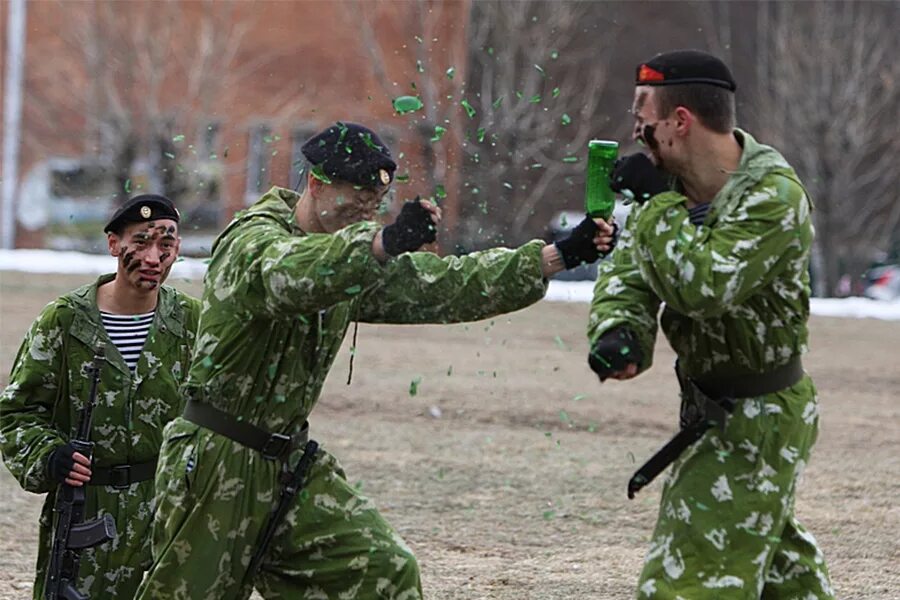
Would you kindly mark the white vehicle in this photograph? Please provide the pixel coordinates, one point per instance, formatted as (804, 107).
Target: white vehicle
(69, 198)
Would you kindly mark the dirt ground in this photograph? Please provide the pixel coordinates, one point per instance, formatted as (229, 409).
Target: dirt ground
(506, 470)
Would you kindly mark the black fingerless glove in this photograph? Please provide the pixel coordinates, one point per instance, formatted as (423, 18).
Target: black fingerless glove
(412, 229)
(578, 247)
(638, 174)
(614, 351)
(61, 462)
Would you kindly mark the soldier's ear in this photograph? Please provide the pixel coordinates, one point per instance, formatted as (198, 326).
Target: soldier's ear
(312, 182)
(684, 119)
(114, 243)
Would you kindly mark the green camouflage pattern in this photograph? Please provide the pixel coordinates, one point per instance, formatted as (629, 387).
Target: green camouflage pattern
(276, 305)
(726, 527)
(735, 292)
(39, 411)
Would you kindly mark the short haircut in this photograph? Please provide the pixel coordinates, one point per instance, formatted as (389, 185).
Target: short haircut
(713, 105)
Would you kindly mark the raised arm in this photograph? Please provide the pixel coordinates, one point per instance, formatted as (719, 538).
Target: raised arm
(421, 287)
(284, 275)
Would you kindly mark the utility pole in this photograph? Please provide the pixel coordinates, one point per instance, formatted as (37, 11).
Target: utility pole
(12, 119)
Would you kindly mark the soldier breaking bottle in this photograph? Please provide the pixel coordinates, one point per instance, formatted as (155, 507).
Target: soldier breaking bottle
(286, 278)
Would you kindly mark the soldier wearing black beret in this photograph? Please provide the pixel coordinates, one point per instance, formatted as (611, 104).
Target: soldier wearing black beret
(351, 153)
(287, 278)
(148, 331)
(720, 238)
(143, 234)
(141, 209)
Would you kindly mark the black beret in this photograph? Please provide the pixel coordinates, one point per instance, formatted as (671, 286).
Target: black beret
(685, 66)
(351, 153)
(140, 209)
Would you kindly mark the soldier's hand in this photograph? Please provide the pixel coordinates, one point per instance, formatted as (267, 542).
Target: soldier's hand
(436, 213)
(616, 354)
(637, 174)
(588, 241)
(69, 466)
(415, 226)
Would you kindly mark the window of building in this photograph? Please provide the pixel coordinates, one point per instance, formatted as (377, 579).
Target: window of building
(209, 140)
(299, 135)
(258, 176)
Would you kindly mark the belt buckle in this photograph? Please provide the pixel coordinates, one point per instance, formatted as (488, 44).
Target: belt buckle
(120, 476)
(276, 446)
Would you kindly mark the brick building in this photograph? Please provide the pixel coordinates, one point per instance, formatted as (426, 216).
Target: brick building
(219, 97)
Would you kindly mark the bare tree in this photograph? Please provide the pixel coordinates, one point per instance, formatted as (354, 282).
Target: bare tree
(154, 75)
(518, 98)
(538, 73)
(433, 60)
(833, 96)
(828, 96)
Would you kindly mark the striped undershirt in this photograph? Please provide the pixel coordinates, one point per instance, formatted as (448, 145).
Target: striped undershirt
(698, 214)
(128, 333)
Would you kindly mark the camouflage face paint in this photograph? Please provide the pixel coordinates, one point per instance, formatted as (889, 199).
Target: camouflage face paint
(129, 262)
(126, 258)
(168, 242)
(131, 265)
(648, 136)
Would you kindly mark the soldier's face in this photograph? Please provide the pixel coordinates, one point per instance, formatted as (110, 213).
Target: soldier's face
(339, 204)
(146, 252)
(652, 130)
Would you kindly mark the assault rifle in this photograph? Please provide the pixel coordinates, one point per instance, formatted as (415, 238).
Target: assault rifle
(73, 534)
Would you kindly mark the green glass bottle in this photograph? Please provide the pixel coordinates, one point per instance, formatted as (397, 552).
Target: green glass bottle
(599, 199)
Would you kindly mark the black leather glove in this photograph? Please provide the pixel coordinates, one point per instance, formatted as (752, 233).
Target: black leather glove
(61, 462)
(412, 229)
(637, 173)
(614, 351)
(578, 247)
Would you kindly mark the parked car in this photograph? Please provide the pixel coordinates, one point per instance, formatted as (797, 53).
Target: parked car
(882, 282)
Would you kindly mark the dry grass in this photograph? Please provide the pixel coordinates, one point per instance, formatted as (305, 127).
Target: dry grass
(504, 496)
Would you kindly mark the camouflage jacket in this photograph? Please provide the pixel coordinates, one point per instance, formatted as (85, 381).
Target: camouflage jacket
(277, 303)
(736, 288)
(47, 387)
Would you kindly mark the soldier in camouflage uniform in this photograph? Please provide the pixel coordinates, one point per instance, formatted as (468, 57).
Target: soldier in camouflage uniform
(286, 278)
(47, 389)
(721, 237)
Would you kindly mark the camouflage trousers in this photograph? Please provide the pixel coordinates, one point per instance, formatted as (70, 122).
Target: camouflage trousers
(113, 569)
(214, 497)
(726, 525)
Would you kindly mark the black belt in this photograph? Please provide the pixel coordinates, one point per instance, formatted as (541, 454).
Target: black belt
(121, 476)
(717, 397)
(272, 446)
(753, 384)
